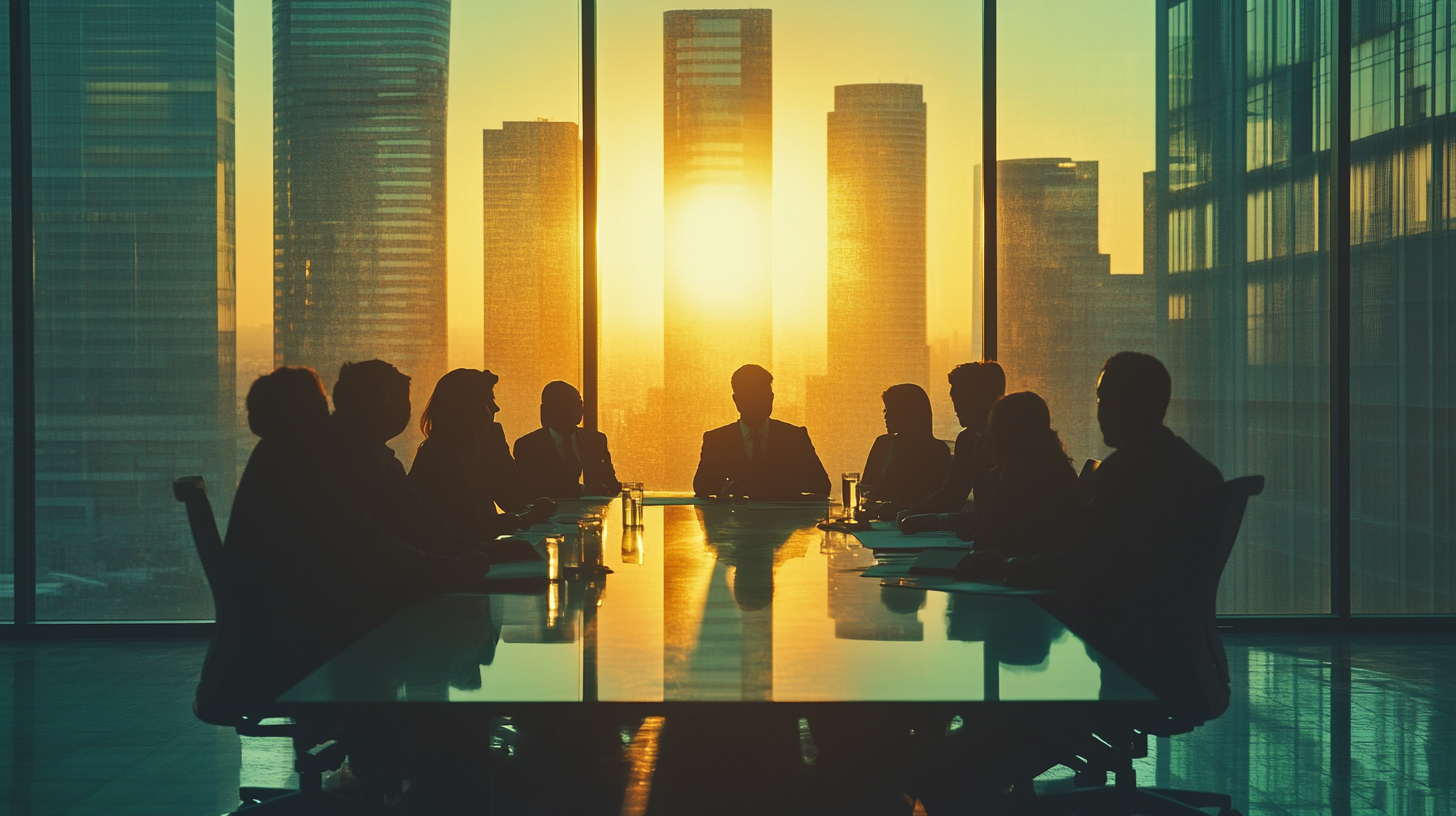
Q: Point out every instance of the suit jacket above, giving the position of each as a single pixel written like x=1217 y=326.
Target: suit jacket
x=452 y=482
x=542 y=473
x=1128 y=579
x=791 y=468
x=904 y=469
x=309 y=572
x=1033 y=511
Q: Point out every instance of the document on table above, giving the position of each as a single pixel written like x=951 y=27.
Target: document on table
x=664 y=501
x=885 y=536
x=943 y=584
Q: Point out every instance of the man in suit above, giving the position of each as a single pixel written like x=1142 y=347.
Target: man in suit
x=759 y=457
x=974 y=388
x=559 y=459
x=1127 y=580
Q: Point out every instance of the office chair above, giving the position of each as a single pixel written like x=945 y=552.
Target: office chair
x=1115 y=750
x=314 y=752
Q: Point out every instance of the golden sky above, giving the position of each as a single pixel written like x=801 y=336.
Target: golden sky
x=1076 y=79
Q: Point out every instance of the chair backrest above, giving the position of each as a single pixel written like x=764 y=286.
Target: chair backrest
x=192 y=492
x=211 y=702
x=1213 y=663
x=1084 y=480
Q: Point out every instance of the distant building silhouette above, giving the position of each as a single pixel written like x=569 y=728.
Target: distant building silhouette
x=1243 y=185
x=359 y=185
x=532 y=264
x=876 y=321
x=135 y=275
x=1061 y=311
x=718 y=191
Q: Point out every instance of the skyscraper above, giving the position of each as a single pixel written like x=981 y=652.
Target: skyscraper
x=134 y=296
x=718 y=192
x=876 y=321
x=1061 y=311
x=1245 y=130
x=532 y=264
x=359 y=185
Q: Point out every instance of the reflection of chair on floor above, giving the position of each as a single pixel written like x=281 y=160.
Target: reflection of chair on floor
x=1114 y=750
x=314 y=752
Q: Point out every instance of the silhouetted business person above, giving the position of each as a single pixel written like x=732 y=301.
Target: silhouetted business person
x=761 y=458
x=974 y=388
x=1034 y=508
x=907 y=463
x=561 y=460
x=371 y=407
x=1126 y=579
x=449 y=468
x=311 y=571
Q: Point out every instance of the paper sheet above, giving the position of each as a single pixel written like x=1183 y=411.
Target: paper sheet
x=942 y=584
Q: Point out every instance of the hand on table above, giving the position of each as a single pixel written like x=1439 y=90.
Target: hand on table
x=982 y=566
x=538 y=511
x=910 y=525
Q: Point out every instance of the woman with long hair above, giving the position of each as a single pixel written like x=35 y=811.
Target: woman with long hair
x=1034 y=508
x=450 y=472
x=906 y=463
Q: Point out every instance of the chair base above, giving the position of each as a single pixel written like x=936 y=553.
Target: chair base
x=1115 y=801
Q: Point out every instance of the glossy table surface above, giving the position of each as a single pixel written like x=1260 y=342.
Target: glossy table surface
x=719 y=603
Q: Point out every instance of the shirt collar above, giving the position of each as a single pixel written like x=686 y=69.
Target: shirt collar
x=762 y=431
x=558 y=438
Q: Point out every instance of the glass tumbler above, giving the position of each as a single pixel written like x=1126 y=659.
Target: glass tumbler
x=632 y=495
x=849 y=493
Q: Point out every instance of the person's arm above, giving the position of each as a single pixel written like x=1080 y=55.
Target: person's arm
x=813 y=479
x=708 y=480
x=531 y=469
x=499 y=468
x=956 y=487
x=605 y=473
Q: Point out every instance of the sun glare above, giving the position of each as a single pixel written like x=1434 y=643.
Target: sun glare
x=719 y=248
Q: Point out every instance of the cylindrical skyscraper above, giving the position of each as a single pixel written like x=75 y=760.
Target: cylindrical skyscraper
x=876 y=325
x=359 y=185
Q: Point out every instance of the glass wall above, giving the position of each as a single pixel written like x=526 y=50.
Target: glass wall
x=793 y=187
x=1403 y=355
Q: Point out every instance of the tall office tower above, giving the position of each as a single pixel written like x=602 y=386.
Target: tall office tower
x=876 y=321
x=717 y=195
x=532 y=264
x=1061 y=312
x=134 y=293
x=359 y=185
x=1245 y=131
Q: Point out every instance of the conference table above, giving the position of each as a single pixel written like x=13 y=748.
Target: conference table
x=707 y=605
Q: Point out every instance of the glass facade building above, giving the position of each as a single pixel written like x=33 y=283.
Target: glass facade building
x=1245 y=279
x=1062 y=310
x=134 y=296
x=718 y=199
x=877 y=291
x=359 y=94
x=532 y=203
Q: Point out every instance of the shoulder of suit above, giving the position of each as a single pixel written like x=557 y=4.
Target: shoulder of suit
x=724 y=430
x=778 y=424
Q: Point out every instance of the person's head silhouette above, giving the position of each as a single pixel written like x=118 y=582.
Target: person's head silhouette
x=753 y=394
x=1132 y=396
x=462 y=405
x=288 y=403
x=372 y=398
x=1021 y=431
x=561 y=407
x=907 y=410
x=974 y=388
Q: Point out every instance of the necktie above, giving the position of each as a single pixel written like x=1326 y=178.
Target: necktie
x=756 y=437
x=569 y=459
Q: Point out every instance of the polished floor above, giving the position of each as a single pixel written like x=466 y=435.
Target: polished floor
x=1319 y=725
